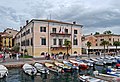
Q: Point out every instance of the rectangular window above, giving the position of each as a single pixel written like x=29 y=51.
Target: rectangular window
x=75 y=31
x=75 y=42
x=101 y=39
x=66 y=31
x=60 y=42
x=42 y=29
x=54 y=42
x=109 y=39
x=31 y=41
x=113 y=39
x=53 y=30
x=43 y=41
x=32 y=29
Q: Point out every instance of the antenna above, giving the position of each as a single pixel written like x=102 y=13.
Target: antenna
x=50 y=16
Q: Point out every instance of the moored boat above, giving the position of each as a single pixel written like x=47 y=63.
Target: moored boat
x=40 y=68
x=3 y=71
x=53 y=68
x=86 y=78
x=81 y=65
x=70 y=64
x=29 y=69
x=63 y=66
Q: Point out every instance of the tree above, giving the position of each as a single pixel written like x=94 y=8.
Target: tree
x=16 y=48
x=96 y=33
x=107 y=32
x=104 y=43
x=88 y=45
x=116 y=43
x=67 y=43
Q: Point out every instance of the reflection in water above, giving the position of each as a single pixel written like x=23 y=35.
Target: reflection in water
x=17 y=75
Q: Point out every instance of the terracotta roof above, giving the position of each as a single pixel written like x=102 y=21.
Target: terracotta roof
x=10 y=29
x=106 y=35
x=49 y=21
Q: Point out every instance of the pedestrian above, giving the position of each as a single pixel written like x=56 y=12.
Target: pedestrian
x=3 y=57
x=10 y=55
x=17 y=56
x=63 y=56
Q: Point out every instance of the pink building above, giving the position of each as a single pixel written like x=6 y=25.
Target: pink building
x=40 y=36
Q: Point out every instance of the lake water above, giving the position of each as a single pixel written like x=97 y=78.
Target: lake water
x=17 y=75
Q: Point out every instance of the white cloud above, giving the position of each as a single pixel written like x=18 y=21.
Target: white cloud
x=95 y=15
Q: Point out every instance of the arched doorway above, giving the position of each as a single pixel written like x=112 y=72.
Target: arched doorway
x=42 y=53
x=60 y=53
x=75 y=52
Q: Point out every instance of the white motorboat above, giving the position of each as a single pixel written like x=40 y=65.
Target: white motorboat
x=85 y=78
x=29 y=69
x=3 y=71
x=40 y=68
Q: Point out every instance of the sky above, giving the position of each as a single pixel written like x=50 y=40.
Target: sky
x=94 y=15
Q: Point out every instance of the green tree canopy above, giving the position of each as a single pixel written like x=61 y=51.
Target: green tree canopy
x=88 y=44
x=67 y=43
x=105 y=43
x=107 y=32
x=16 y=48
x=96 y=33
x=116 y=43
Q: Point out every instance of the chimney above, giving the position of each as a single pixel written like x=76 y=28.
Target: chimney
x=20 y=27
x=27 y=22
x=74 y=22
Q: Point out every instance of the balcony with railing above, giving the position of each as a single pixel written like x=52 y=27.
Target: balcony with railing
x=60 y=33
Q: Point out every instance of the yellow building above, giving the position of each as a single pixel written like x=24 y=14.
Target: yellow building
x=41 y=36
x=5 y=40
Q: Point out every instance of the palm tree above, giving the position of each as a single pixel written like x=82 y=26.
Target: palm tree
x=104 y=43
x=116 y=43
x=88 y=45
x=67 y=43
x=107 y=44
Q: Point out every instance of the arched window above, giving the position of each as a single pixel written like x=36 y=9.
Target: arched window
x=42 y=53
x=75 y=52
x=60 y=53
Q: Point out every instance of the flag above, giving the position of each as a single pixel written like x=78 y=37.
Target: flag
x=60 y=30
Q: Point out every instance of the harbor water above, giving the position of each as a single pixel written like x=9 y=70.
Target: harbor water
x=17 y=75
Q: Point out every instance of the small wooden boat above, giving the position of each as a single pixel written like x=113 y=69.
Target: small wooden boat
x=29 y=69
x=118 y=66
x=40 y=68
x=113 y=72
x=81 y=65
x=86 y=78
x=100 y=63
x=3 y=71
x=63 y=66
x=70 y=65
x=53 y=68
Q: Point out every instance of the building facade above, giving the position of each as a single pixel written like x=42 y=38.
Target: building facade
x=5 y=41
x=48 y=36
x=96 y=41
x=12 y=33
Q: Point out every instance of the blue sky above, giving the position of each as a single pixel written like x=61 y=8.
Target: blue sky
x=94 y=15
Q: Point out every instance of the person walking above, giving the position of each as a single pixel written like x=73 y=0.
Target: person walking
x=4 y=57
x=63 y=56
x=17 y=56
